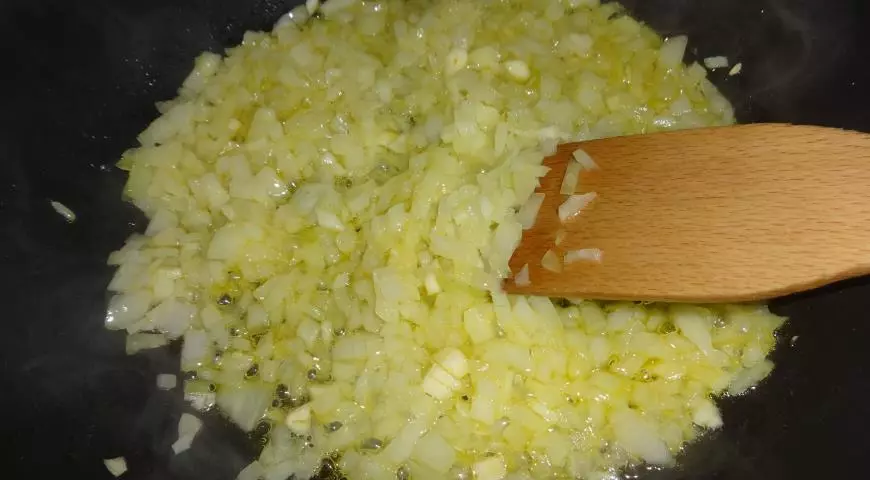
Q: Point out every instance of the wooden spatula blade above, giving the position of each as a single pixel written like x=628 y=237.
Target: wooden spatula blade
x=719 y=214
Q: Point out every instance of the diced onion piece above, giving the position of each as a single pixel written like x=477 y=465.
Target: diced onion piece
x=333 y=6
x=166 y=381
x=560 y=237
x=639 y=437
x=116 y=466
x=716 y=62
x=672 y=51
x=736 y=69
x=200 y=400
x=453 y=361
x=551 y=261
x=431 y=284
x=194 y=349
x=311 y=6
x=188 y=427
x=584 y=255
x=63 y=211
x=478 y=326
x=492 y=468
x=528 y=213
x=300 y=13
x=299 y=420
x=706 y=414
x=403 y=444
x=245 y=404
x=749 y=377
x=585 y=161
x=188 y=424
x=435 y=452
x=696 y=324
x=522 y=278
x=518 y=69
x=439 y=383
x=127 y=308
x=456 y=61
x=571 y=207
x=569 y=181
x=329 y=220
x=144 y=341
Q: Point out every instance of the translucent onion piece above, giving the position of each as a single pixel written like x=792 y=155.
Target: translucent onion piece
x=584 y=254
x=552 y=261
x=522 y=278
x=571 y=207
x=188 y=427
x=311 y=6
x=528 y=214
x=569 y=181
x=63 y=211
x=584 y=159
x=560 y=236
x=716 y=62
x=299 y=420
x=166 y=381
x=736 y=69
x=116 y=466
x=672 y=51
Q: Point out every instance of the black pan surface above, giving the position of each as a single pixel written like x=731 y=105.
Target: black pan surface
x=79 y=82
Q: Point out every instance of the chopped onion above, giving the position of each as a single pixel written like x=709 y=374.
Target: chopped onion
x=311 y=6
x=522 y=278
x=144 y=341
x=456 y=61
x=528 y=214
x=707 y=415
x=584 y=254
x=746 y=379
x=736 y=69
x=245 y=404
x=299 y=420
x=583 y=158
x=492 y=468
x=571 y=207
x=696 y=324
x=166 y=381
x=552 y=261
x=716 y=62
x=639 y=437
x=435 y=452
x=63 y=211
x=116 y=466
x=673 y=49
x=127 y=308
x=518 y=69
x=188 y=427
x=334 y=6
x=201 y=401
x=560 y=236
x=334 y=231
x=569 y=181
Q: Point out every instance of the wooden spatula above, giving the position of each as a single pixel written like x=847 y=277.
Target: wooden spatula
x=719 y=214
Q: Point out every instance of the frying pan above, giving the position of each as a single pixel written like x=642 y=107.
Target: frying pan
x=79 y=82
